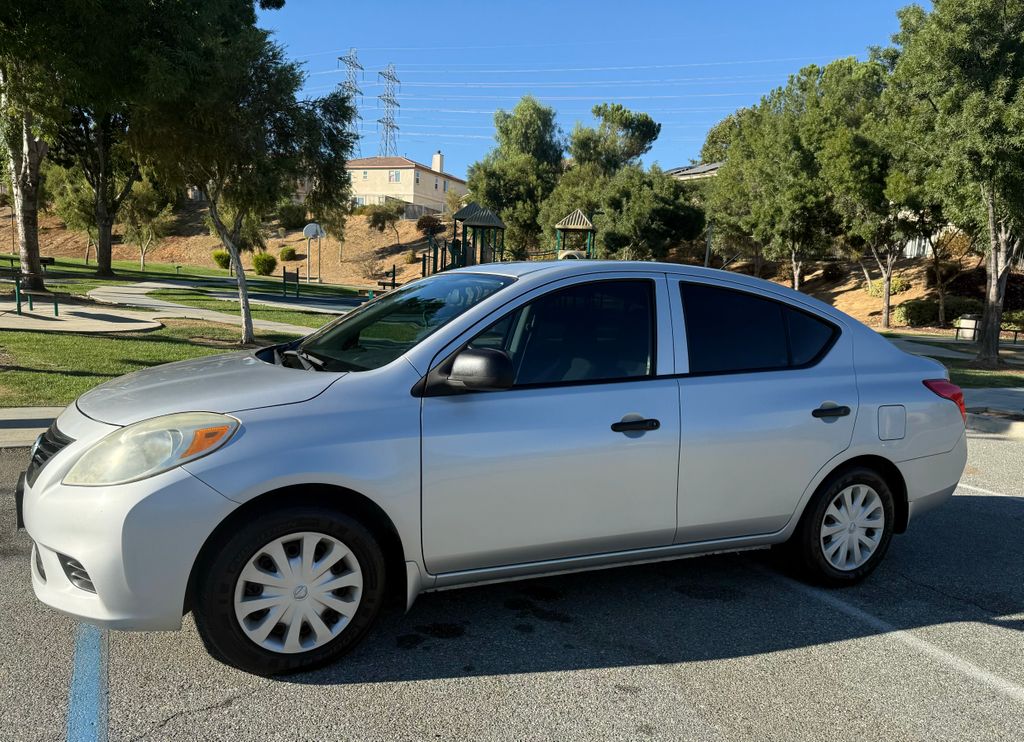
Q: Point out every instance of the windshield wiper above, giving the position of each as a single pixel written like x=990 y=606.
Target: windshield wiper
x=307 y=360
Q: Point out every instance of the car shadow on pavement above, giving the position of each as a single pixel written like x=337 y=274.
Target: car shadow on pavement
x=962 y=563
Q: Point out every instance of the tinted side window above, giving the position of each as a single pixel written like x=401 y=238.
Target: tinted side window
x=808 y=336
x=730 y=331
x=591 y=332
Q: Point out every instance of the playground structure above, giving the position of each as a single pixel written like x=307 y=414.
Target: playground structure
x=575 y=223
x=478 y=236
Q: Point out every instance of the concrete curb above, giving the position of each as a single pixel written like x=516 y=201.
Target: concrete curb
x=982 y=420
x=20 y=426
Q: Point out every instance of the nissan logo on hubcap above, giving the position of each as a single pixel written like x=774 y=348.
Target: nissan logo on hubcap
x=300 y=592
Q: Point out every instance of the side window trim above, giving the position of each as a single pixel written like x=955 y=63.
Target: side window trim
x=658 y=284
x=836 y=333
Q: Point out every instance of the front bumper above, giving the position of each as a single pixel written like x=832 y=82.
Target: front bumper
x=137 y=542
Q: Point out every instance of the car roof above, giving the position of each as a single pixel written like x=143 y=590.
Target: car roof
x=554 y=269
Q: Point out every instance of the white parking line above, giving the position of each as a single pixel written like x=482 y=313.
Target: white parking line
x=996 y=682
x=984 y=491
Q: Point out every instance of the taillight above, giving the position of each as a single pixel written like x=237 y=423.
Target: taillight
x=948 y=390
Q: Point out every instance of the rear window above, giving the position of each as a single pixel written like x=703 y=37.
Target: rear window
x=731 y=331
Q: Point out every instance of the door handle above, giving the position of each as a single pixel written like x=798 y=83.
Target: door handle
x=625 y=426
x=838 y=411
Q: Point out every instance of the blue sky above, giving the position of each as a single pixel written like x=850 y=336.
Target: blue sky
x=688 y=64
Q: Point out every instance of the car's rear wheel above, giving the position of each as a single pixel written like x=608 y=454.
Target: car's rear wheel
x=846 y=529
x=290 y=591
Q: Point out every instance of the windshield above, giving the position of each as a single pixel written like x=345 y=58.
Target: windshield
x=381 y=331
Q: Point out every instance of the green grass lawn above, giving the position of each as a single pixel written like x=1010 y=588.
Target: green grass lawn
x=201 y=300
x=53 y=368
x=966 y=374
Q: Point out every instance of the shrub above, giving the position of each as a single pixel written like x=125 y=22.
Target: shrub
x=222 y=258
x=291 y=216
x=371 y=267
x=429 y=224
x=412 y=257
x=925 y=312
x=897 y=285
x=1014 y=319
x=833 y=272
x=263 y=263
x=288 y=253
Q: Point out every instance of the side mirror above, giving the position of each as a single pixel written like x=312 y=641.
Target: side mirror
x=485 y=369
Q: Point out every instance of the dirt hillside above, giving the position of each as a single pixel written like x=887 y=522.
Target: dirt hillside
x=190 y=243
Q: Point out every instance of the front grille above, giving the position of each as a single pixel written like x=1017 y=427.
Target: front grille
x=76 y=573
x=47 y=447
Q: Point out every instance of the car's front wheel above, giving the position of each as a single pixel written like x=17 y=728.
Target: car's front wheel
x=290 y=591
x=846 y=529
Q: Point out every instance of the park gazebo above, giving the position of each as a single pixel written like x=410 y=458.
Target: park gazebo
x=577 y=221
x=483 y=234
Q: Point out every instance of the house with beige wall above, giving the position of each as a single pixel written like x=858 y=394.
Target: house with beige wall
x=378 y=179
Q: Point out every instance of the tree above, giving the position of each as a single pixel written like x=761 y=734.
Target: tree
x=734 y=197
x=73 y=202
x=878 y=204
x=581 y=187
x=146 y=216
x=249 y=138
x=644 y=214
x=959 y=79
x=385 y=216
x=620 y=138
x=521 y=171
x=26 y=98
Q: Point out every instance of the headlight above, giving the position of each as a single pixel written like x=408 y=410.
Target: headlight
x=151 y=447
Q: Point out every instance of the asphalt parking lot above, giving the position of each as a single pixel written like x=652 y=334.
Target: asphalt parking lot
x=716 y=648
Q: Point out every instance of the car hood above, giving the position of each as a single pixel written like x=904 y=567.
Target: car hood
x=221 y=383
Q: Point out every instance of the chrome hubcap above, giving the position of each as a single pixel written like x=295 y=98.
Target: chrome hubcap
x=298 y=592
x=852 y=527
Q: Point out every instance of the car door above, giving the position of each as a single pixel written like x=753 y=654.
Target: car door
x=536 y=472
x=768 y=397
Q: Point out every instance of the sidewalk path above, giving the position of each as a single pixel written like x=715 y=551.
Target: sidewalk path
x=922 y=349
x=137 y=295
x=1008 y=352
x=19 y=426
x=1010 y=399
x=72 y=318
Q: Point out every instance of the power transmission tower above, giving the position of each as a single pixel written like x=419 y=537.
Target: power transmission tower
x=389 y=104
x=350 y=87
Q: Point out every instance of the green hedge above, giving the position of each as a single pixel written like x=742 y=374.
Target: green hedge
x=897 y=286
x=222 y=258
x=291 y=216
x=1014 y=319
x=263 y=263
x=925 y=312
x=288 y=253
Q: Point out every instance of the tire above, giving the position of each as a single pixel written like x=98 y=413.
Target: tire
x=831 y=548
x=298 y=542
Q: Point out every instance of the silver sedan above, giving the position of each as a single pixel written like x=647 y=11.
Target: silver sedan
x=490 y=423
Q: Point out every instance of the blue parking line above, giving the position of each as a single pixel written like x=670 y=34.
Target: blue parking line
x=87 y=697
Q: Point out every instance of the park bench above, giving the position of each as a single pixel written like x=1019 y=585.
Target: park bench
x=46 y=261
x=23 y=294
